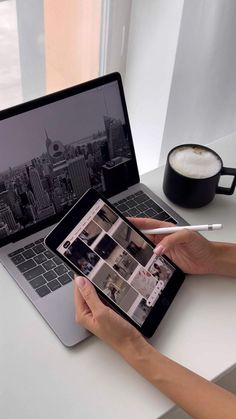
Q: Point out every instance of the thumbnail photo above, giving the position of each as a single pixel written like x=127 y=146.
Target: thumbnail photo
x=82 y=256
x=141 y=312
x=115 y=256
x=133 y=243
x=90 y=233
x=115 y=287
x=105 y=218
x=144 y=282
x=161 y=269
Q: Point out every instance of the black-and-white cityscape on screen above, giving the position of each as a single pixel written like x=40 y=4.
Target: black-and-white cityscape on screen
x=50 y=183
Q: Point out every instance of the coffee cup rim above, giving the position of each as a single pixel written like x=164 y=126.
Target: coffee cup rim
x=194 y=145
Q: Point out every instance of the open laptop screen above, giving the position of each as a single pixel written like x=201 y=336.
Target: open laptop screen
x=54 y=148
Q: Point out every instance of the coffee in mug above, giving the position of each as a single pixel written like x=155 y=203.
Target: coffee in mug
x=192 y=175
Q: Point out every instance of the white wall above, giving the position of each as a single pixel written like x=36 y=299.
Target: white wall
x=153 y=36
x=202 y=104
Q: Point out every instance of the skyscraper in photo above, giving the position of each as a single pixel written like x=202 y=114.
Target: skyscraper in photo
x=4 y=230
x=79 y=176
x=40 y=194
x=115 y=136
x=7 y=217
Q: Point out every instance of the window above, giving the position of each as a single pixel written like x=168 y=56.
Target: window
x=48 y=45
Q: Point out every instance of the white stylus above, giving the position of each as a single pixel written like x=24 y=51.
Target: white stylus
x=167 y=230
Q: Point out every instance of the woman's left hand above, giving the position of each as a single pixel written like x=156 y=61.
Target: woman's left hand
x=102 y=320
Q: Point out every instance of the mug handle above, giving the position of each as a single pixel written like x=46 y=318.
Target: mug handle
x=229 y=172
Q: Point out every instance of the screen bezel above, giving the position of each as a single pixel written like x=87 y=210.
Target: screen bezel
x=54 y=97
x=69 y=222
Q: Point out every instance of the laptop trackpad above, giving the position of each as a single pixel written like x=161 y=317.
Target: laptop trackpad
x=58 y=310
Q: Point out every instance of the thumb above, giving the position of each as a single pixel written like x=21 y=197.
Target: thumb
x=88 y=293
x=171 y=240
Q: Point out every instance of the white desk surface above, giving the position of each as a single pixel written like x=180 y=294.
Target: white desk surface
x=40 y=378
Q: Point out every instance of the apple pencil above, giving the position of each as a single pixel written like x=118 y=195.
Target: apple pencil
x=167 y=230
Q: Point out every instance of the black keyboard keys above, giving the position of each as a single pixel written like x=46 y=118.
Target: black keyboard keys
x=140 y=205
x=25 y=266
x=37 y=282
x=53 y=285
x=32 y=273
x=17 y=259
x=42 y=291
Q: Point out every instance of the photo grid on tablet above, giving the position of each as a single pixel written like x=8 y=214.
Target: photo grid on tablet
x=118 y=261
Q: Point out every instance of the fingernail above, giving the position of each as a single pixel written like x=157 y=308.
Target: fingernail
x=80 y=281
x=159 y=250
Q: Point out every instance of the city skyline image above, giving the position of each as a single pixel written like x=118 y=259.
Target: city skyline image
x=52 y=182
x=52 y=154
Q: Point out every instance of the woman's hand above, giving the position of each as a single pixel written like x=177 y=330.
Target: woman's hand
x=188 y=249
x=103 y=321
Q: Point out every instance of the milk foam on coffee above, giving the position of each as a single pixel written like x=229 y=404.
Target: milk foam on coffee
x=194 y=162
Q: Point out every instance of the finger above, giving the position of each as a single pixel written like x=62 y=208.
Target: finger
x=147 y=223
x=171 y=240
x=150 y=223
x=89 y=294
x=81 y=307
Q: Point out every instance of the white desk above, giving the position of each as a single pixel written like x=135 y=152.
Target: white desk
x=40 y=378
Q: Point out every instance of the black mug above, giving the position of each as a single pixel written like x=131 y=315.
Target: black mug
x=195 y=190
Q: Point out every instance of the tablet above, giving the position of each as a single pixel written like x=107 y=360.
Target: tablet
x=95 y=240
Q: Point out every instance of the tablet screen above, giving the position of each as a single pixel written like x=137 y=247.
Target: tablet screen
x=117 y=260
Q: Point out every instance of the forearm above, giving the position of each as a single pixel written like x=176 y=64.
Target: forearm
x=198 y=397
x=225 y=259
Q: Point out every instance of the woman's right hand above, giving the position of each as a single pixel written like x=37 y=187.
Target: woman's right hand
x=187 y=249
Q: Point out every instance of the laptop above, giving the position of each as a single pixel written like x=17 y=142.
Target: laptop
x=52 y=150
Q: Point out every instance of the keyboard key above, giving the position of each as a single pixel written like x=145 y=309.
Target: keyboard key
x=64 y=279
x=142 y=207
x=39 y=241
x=17 y=259
x=49 y=265
x=25 y=266
x=72 y=274
x=49 y=254
x=39 y=248
x=153 y=205
x=60 y=270
x=28 y=246
x=57 y=260
x=50 y=275
x=40 y=258
x=38 y=270
x=141 y=198
x=53 y=285
x=150 y=212
x=37 y=282
x=42 y=291
x=131 y=203
x=16 y=252
x=122 y=207
x=162 y=216
x=28 y=254
x=133 y=212
x=122 y=201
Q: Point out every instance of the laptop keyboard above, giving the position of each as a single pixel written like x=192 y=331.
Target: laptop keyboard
x=141 y=205
x=46 y=272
